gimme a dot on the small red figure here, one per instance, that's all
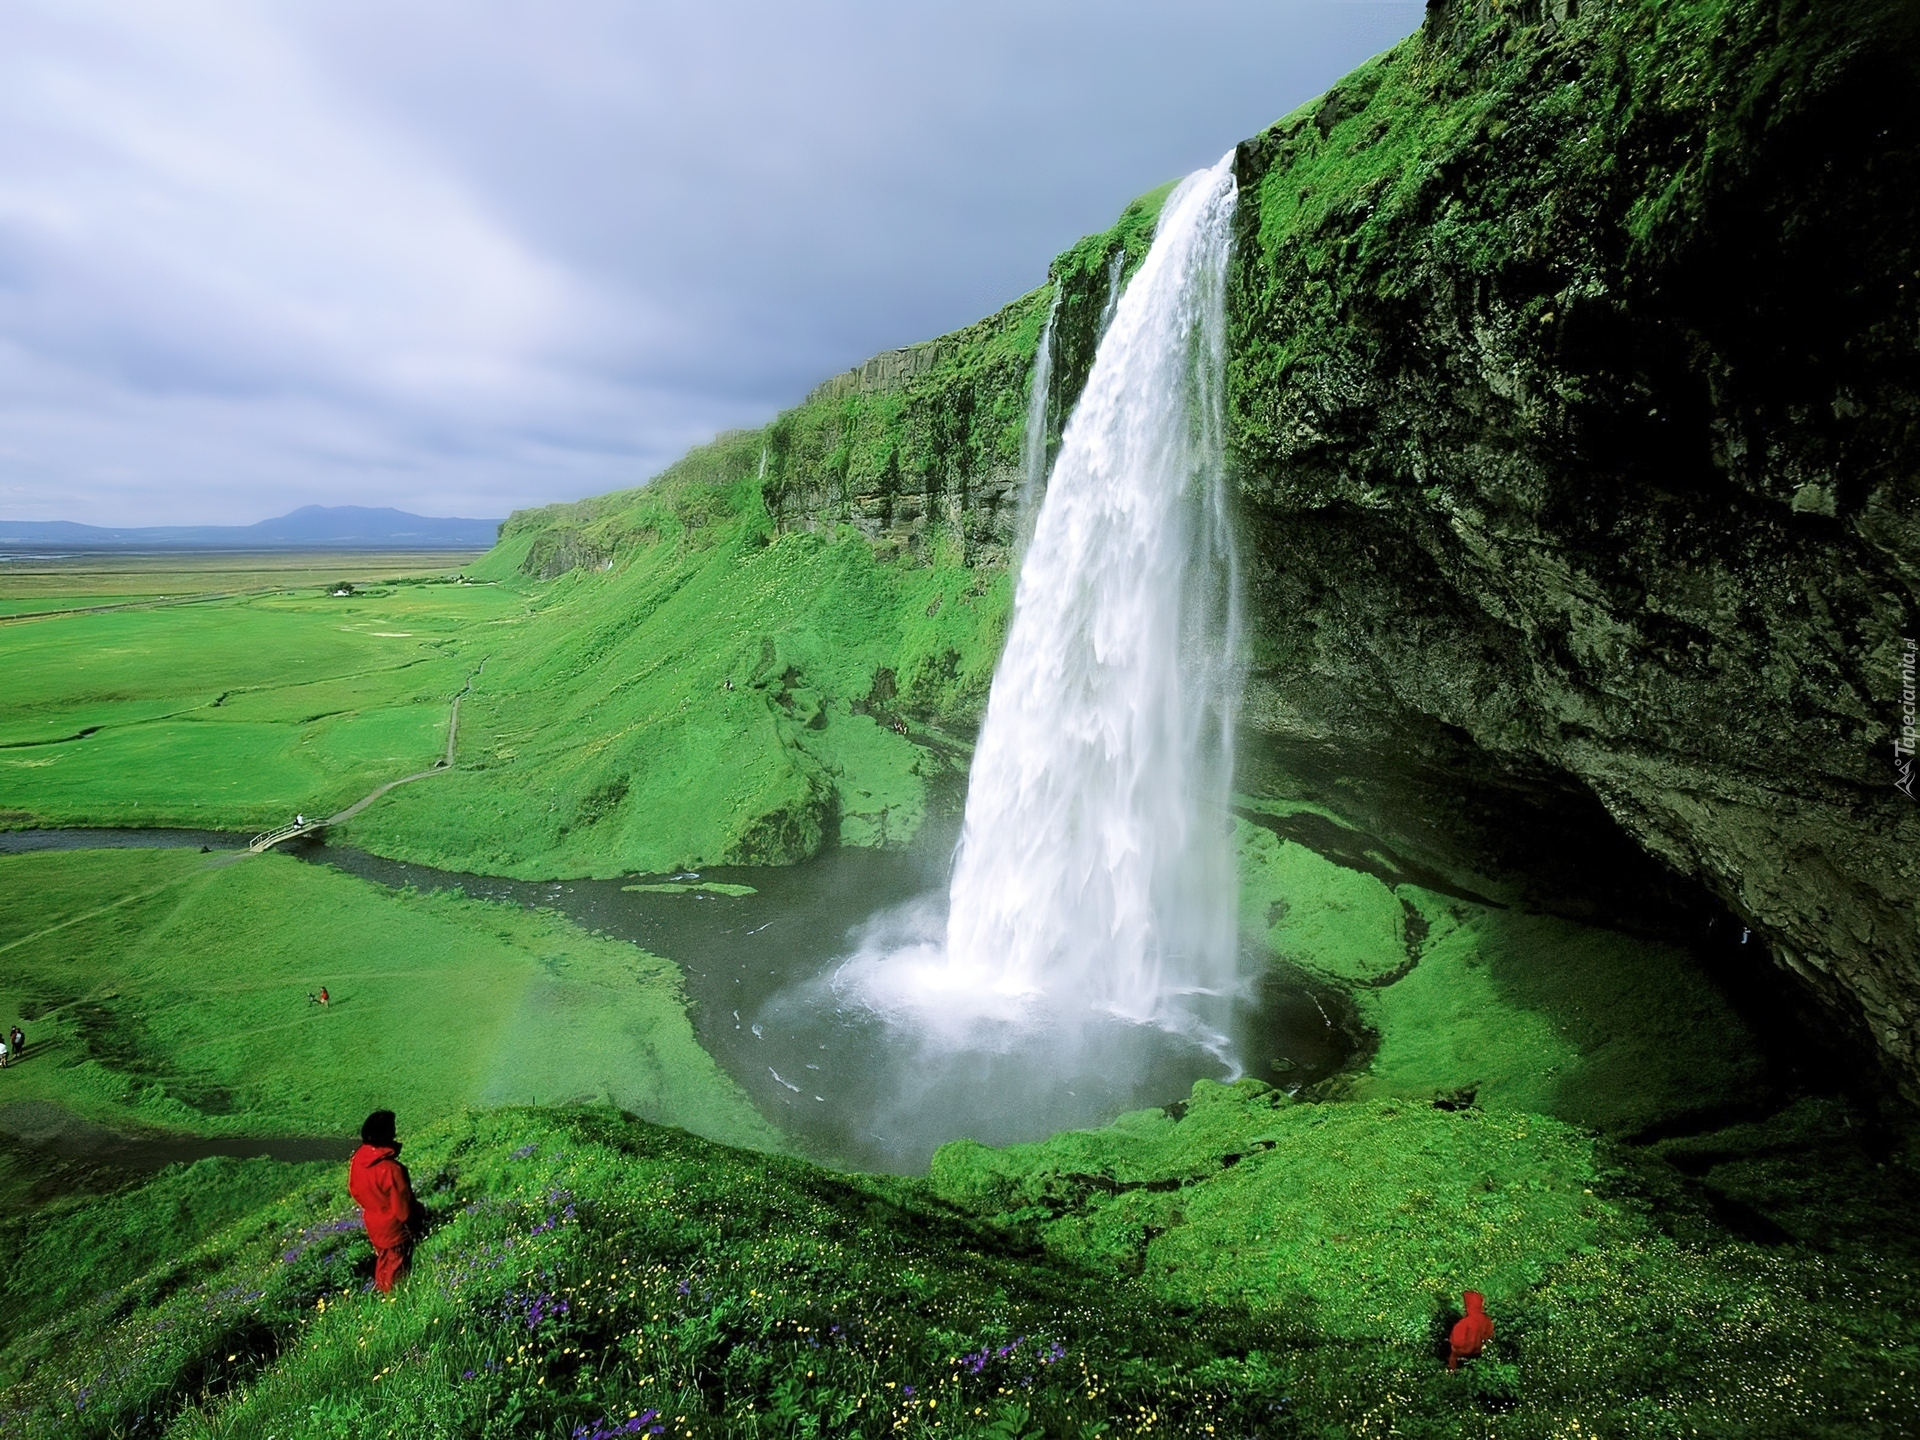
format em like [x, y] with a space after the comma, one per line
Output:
[323, 996]
[380, 1185]
[1471, 1331]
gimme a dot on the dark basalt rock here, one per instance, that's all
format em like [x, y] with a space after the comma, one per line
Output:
[1576, 442]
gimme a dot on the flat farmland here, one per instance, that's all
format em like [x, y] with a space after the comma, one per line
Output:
[236, 711]
[38, 581]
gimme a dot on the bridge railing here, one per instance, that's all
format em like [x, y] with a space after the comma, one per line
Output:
[273, 837]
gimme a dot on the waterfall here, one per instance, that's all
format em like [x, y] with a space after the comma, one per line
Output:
[1095, 871]
[763, 463]
[1033, 448]
[1114, 268]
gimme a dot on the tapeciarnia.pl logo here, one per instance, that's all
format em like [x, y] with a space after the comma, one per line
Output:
[1903, 742]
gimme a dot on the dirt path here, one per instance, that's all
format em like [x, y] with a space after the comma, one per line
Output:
[443, 766]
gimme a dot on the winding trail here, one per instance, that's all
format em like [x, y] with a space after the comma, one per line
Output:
[442, 766]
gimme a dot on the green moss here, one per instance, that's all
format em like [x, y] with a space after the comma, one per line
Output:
[1521, 1011]
[1562, 165]
[1335, 923]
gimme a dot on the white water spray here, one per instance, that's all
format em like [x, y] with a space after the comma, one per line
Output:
[1095, 872]
[1115, 268]
[1033, 446]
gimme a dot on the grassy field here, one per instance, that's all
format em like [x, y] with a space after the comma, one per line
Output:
[168, 990]
[719, 693]
[33, 583]
[236, 713]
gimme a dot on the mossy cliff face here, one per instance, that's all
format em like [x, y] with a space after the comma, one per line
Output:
[927, 443]
[1574, 388]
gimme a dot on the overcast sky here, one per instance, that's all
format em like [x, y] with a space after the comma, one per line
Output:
[461, 256]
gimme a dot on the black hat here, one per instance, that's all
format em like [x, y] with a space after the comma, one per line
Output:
[378, 1128]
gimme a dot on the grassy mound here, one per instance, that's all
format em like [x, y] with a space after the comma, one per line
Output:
[1254, 1267]
[1514, 1010]
[165, 989]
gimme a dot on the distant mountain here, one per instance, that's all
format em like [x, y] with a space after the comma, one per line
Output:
[311, 527]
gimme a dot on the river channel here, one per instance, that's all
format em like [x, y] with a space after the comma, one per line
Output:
[849, 1089]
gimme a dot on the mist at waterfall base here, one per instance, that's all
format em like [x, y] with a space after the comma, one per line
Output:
[1085, 956]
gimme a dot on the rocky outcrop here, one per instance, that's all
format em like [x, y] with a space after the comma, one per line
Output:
[924, 446]
[1576, 407]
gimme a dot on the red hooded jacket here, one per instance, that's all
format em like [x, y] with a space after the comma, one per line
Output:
[1471, 1331]
[380, 1185]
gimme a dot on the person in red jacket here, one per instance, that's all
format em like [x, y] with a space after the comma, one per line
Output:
[1471, 1331]
[381, 1187]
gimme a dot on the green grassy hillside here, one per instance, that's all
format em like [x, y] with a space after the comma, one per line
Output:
[167, 990]
[709, 691]
[1251, 1268]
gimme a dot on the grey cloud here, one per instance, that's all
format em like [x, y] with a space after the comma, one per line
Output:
[460, 257]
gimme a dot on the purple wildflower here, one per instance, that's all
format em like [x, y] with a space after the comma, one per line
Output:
[646, 1420]
[534, 1310]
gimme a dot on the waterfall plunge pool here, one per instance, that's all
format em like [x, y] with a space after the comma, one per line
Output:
[848, 1087]
[887, 1100]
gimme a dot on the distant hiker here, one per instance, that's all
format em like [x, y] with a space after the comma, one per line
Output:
[17, 1038]
[320, 999]
[299, 819]
[1470, 1332]
[381, 1187]
[3, 1055]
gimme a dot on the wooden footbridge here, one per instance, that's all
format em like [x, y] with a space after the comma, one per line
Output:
[262, 843]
